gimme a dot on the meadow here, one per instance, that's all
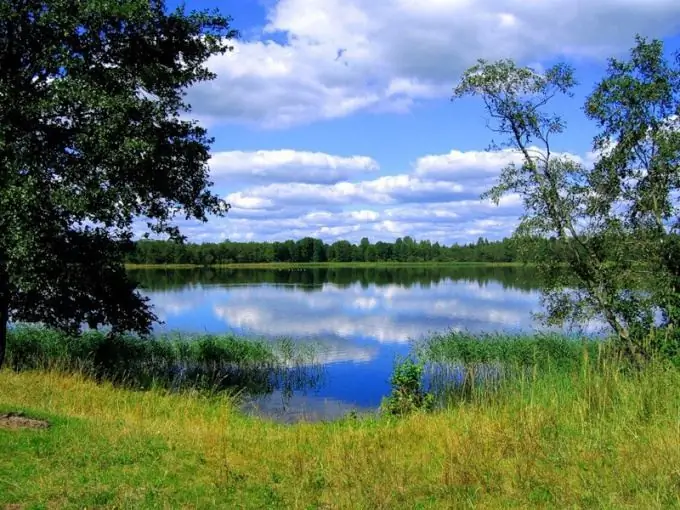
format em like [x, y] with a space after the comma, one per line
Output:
[576, 427]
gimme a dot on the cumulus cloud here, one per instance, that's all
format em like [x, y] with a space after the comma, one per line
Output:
[438, 200]
[390, 189]
[475, 165]
[445, 222]
[324, 59]
[287, 165]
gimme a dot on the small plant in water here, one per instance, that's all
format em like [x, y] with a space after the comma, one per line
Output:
[408, 394]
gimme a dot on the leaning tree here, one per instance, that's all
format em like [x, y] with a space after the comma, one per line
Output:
[94, 136]
[617, 221]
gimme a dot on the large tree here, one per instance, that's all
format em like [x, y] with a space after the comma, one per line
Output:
[614, 221]
[93, 135]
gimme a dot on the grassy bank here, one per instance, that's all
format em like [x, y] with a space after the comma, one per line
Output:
[205, 362]
[592, 437]
[313, 265]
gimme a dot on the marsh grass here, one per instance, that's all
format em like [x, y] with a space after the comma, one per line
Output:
[598, 435]
[540, 349]
[461, 367]
[179, 362]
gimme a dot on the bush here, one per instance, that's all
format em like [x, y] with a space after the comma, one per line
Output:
[408, 394]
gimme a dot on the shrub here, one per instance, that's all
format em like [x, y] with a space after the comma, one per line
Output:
[408, 394]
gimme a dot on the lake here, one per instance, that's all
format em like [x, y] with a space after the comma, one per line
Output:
[363, 318]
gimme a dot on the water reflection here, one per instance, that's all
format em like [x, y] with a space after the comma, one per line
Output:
[311, 280]
[292, 408]
[361, 318]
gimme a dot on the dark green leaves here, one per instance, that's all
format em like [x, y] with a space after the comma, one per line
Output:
[92, 136]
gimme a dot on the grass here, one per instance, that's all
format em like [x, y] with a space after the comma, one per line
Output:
[312, 265]
[174, 361]
[598, 436]
[539, 349]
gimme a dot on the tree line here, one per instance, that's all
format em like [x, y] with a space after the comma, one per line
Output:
[405, 250]
[309, 249]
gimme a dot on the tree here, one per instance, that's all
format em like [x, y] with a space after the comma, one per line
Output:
[364, 244]
[637, 107]
[305, 249]
[91, 138]
[606, 218]
[319, 251]
[342, 251]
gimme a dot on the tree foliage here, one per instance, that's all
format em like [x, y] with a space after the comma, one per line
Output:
[93, 136]
[308, 250]
[616, 219]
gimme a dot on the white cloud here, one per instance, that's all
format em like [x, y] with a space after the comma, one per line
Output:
[444, 222]
[287, 165]
[332, 58]
[476, 165]
[464, 165]
[390, 189]
[439, 201]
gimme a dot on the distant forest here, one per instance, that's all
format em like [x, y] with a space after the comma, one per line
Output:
[315, 250]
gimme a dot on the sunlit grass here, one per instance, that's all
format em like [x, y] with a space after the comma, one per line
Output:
[596, 436]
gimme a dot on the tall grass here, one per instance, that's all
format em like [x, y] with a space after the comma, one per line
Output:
[464, 366]
[596, 436]
[206, 362]
[541, 349]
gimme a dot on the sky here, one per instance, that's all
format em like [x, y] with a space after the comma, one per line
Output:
[333, 118]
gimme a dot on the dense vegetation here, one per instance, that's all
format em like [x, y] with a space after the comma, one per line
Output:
[93, 120]
[540, 350]
[179, 362]
[315, 250]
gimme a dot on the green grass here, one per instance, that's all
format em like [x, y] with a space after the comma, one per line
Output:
[312, 265]
[594, 436]
[206, 362]
[539, 349]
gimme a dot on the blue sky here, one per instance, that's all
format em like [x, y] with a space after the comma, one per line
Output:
[332, 118]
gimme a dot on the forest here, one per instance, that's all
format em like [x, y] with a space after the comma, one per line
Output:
[309, 249]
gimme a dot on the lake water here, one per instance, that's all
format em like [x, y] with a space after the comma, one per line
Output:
[363, 318]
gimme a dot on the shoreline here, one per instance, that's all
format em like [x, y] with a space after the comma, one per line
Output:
[325, 265]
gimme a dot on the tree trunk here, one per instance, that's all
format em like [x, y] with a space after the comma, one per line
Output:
[4, 313]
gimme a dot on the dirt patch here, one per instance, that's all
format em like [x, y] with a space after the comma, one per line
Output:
[20, 421]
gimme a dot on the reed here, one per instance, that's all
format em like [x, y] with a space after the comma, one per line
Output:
[174, 361]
